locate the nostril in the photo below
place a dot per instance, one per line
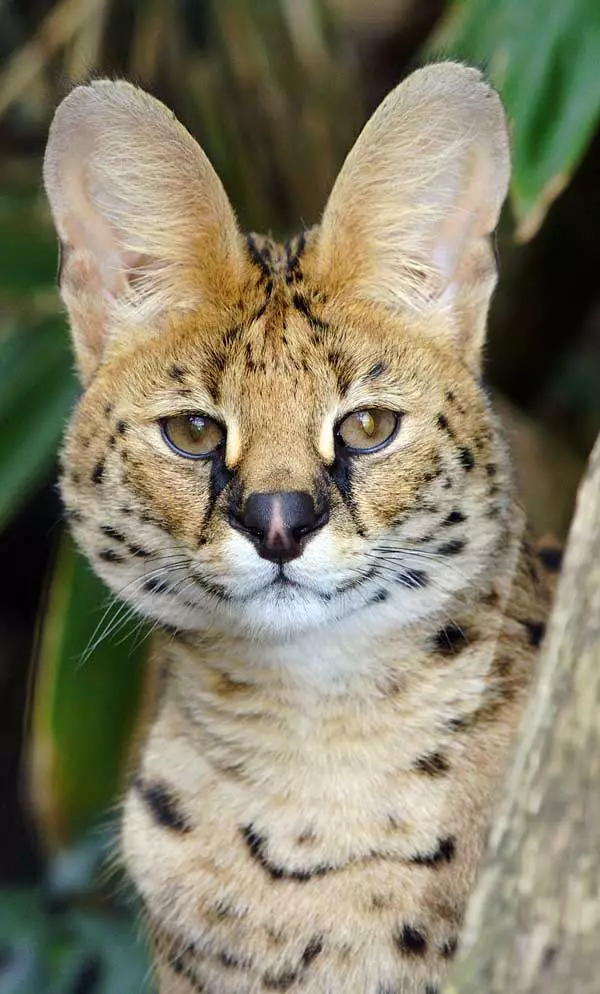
(309, 526)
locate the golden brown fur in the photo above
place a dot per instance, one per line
(311, 801)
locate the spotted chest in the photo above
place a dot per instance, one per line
(260, 809)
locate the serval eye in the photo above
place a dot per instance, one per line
(194, 436)
(368, 430)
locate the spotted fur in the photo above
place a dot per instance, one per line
(310, 803)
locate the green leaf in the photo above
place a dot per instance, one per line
(37, 390)
(544, 59)
(88, 695)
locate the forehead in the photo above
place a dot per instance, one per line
(283, 349)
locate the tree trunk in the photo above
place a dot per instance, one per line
(534, 919)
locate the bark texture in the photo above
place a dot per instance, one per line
(534, 920)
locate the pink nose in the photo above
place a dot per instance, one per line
(279, 522)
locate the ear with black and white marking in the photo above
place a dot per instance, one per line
(409, 220)
(144, 222)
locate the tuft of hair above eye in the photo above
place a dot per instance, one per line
(367, 430)
(192, 436)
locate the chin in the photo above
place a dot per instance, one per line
(279, 613)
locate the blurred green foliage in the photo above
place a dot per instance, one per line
(273, 90)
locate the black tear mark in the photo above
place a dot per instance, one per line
(535, 632)
(453, 548)
(448, 950)
(444, 853)
(411, 941)
(111, 532)
(340, 473)
(257, 844)
(110, 556)
(466, 458)
(433, 764)
(450, 640)
(413, 579)
(454, 518)
(220, 477)
(98, 472)
(163, 805)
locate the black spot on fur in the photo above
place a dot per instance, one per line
(459, 723)
(162, 805)
(138, 552)
(535, 631)
(448, 950)
(445, 853)
(155, 585)
(434, 764)
(449, 396)
(233, 962)
(466, 458)
(257, 845)
(450, 639)
(122, 427)
(177, 373)
(454, 518)
(413, 579)
(451, 548)
(491, 468)
(410, 941)
(313, 949)
(108, 409)
(111, 532)
(442, 421)
(98, 472)
(379, 597)
(110, 556)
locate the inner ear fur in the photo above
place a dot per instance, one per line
(143, 220)
(409, 220)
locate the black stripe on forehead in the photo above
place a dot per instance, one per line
(260, 255)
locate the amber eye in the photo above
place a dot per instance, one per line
(195, 436)
(368, 430)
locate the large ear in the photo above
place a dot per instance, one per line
(144, 222)
(410, 215)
